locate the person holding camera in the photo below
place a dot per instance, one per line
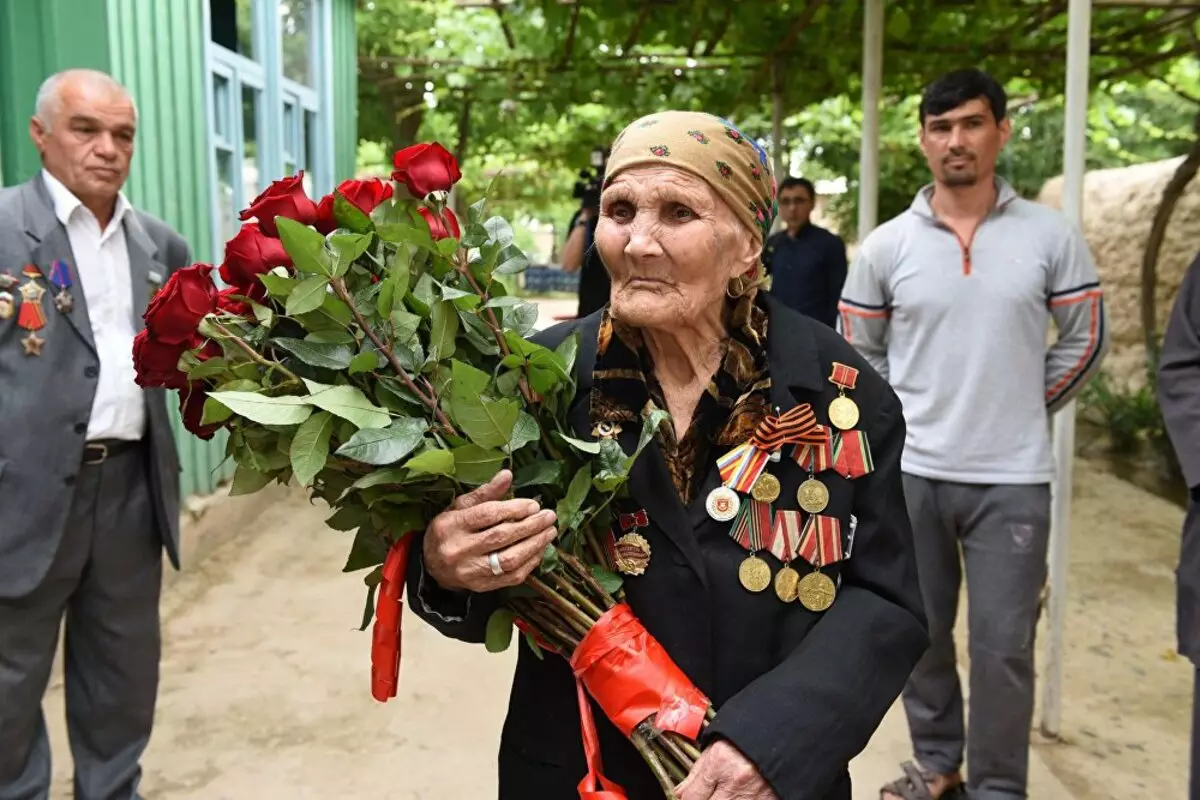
(579, 254)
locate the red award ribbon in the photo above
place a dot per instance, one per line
(816, 457)
(785, 535)
(740, 532)
(752, 526)
(385, 636)
(843, 377)
(741, 466)
(638, 519)
(797, 426)
(821, 540)
(852, 455)
(31, 317)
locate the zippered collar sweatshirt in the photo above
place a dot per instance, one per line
(960, 330)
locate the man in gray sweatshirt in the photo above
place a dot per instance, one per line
(951, 301)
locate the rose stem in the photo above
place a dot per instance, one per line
(562, 638)
(339, 288)
(710, 714)
(573, 616)
(254, 356)
(576, 595)
(597, 551)
(675, 750)
(656, 766)
(586, 575)
(551, 635)
(683, 744)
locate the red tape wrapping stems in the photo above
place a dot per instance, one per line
(632, 678)
(385, 636)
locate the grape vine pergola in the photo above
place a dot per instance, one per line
(738, 58)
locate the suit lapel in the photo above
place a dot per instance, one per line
(650, 485)
(48, 243)
(143, 255)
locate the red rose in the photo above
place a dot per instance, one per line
(250, 254)
(232, 305)
(191, 409)
(425, 168)
(366, 195)
(443, 228)
(157, 363)
(177, 308)
(283, 198)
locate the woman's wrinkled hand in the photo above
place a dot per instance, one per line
(458, 541)
(723, 773)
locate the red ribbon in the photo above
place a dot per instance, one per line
(591, 749)
(385, 636)
(638, 519)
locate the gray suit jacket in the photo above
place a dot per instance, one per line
(45, 401)
(1179, 398)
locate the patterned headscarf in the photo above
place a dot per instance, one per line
(710, 148)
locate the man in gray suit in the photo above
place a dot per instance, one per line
(1179, 398)
(89, 491)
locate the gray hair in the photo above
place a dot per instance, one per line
(49, 96)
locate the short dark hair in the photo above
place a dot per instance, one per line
(962, 86)
(805, 183)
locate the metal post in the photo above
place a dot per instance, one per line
(781, 162)
(1079, 24)
(872, 80)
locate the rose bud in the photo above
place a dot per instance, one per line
(425, 168)
(175, 311)
(283, 198)
(441, 228)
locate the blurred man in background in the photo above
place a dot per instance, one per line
(807, 263)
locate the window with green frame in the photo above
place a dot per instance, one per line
(267, 66)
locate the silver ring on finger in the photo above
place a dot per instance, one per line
(494, 563)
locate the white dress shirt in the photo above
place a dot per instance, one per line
(101, 271)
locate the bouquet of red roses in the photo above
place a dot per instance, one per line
(365, 348)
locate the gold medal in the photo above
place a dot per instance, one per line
(755, 574)
(632, 554)
(722, 504)
(843, 412)
(787, 582)
(812, 496)
(6, 305)
(33, 344)
(816, 591)
(766, 489)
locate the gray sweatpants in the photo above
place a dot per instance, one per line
(999, 533)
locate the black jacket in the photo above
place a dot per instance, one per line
(799, 693)
(808, 272)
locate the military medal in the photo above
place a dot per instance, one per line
(31, 317)
(722, 504)
(843, 412)
(7, 281)
(820, 545)
(631, 553)
(741, 466)
(6, 305)
(812, 496)
(753, 523)
(766, 489)
(852, 455)
(60, 278)
(606, 430)
(785, 543)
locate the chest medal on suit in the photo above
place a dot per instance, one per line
(788, 534)
(30, 311)
(31, 316)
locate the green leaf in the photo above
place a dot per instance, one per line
(369, 607)
(380, 477)
(511, 261)
(388, 445)
(347, 402)
(424, 297)
(609, 581)
(499, 631)
(543, 381)
(406, 233)
(569, 507)
(264, 315)
(443, 331)
(331, 337)
(369, 549)
(649, 428)
(306, 246)
(499, 231)
(214, 412)
(591, 448)
(475, 211)
(899, 25)
(208, 369)
(347, 248)
(404, 324)
(467, 382)
(475, 466)
(508, 384)
(507, 301)
(530, 640)
(525, 432)
(432, 462)
(364, 362)
(336, 310)
(447, 247)
(488, 423)
(316, 354)
(248, 481)
(277, 285)
(310, 447)
(347, 518)
(566, 353)
(282, 410)
(521, 319)
(539, 473)
(349, 216)
(475, 235)
(308, 295)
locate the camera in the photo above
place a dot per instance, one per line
(587, 188)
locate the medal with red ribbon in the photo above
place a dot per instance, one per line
(630, 554)
(31, 317)
(750, 530)
(785, 545)
(852, 455)
(820, 545)
(843, 412)
(742, 468)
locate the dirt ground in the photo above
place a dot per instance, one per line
(265, 693)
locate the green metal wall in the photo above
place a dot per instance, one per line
(37, 39)
(158, 52)
(345, 90)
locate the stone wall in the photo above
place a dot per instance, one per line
(1118, 208)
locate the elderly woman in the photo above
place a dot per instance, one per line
(799, 670)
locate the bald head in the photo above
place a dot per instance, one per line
(83, 127)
